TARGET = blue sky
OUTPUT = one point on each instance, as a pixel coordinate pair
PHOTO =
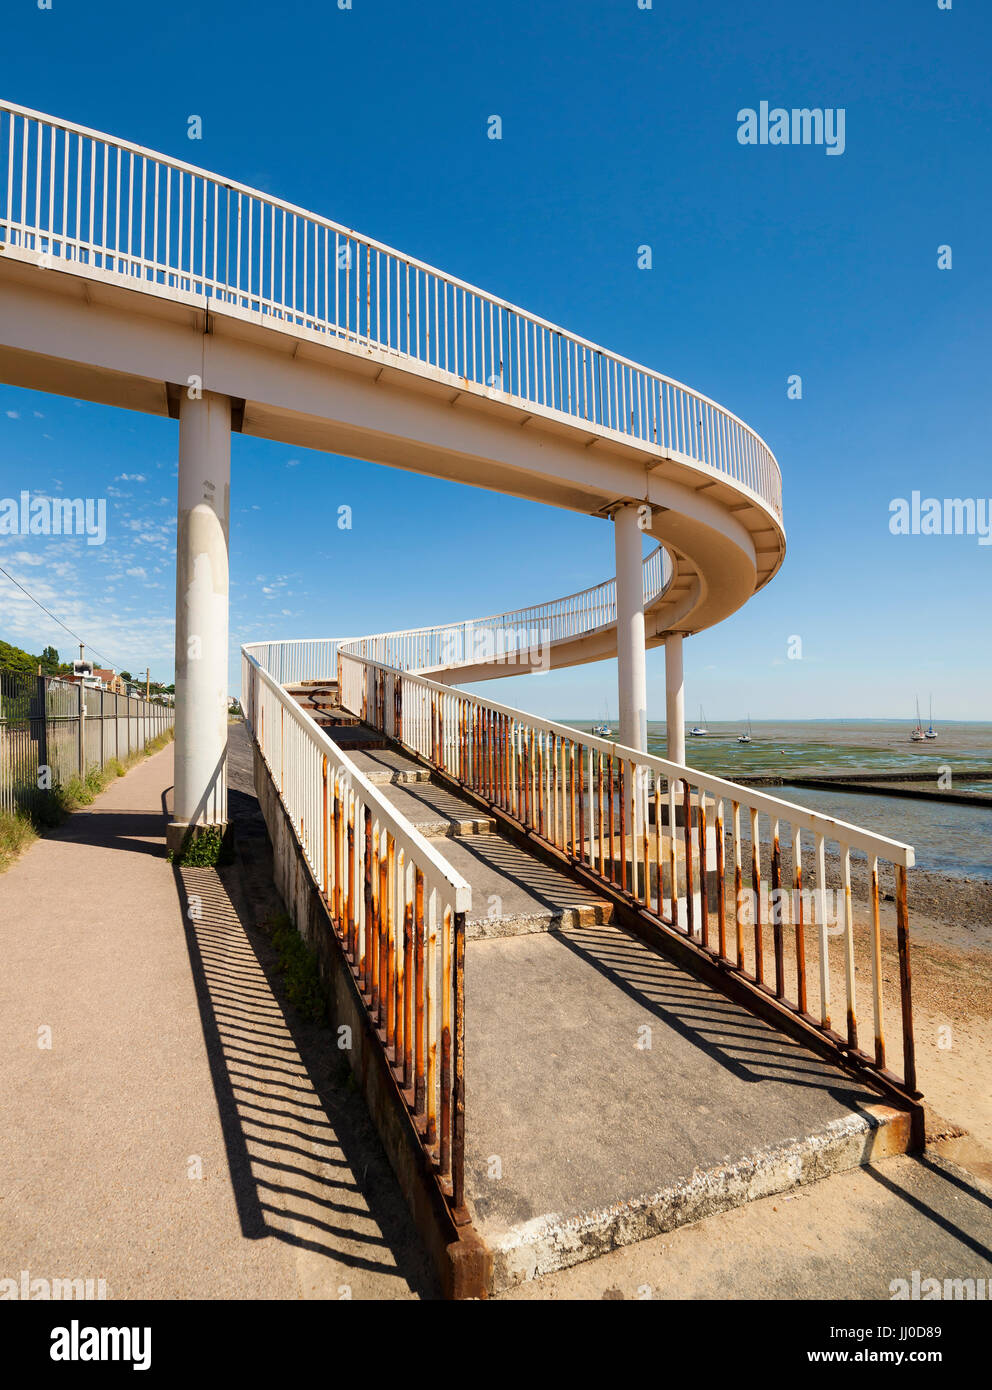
(619, 129)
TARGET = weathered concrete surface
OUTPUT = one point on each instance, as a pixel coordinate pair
(513, 893)
(436, 812)
(849, 1237)
(384, 765)
(172, 1052)
(583, 1138)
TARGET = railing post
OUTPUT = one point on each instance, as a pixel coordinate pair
(81, 731)
(458, 1067)
(42, 724)
(905, 980)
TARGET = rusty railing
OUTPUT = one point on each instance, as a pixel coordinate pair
(397, 911)
(762, 886)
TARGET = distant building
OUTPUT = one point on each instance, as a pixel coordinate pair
(109, 680)
(95, 678)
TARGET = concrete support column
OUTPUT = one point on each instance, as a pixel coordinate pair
(632, 676)
(674, 698)
(202, 614)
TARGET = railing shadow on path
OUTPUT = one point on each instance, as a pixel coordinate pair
(969, 1199)
(727, 1033)
(305, 1165)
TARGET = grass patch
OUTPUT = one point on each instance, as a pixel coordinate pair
(205, 849)
(298, 966)
(19, 830)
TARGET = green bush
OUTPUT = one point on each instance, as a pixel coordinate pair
(203, 850)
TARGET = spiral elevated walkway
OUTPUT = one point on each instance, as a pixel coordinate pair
(407, 817)
(125, 275)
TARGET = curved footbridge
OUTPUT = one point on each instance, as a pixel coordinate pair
(728, 929)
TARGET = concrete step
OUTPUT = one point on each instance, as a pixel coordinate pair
(514, 894)
(355, 736)
(624, 1098)
(314, 694)
(390, 767)
(436, 812)
(323, 699)
(321, 703)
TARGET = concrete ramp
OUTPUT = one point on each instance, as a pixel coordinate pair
(614, 1097)
(611, 1096)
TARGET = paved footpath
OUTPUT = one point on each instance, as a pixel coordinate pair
(186, 1135)
(167, 1123)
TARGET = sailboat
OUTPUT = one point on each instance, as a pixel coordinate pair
(700, 730)
(918, 736)
(746, 735)
(603, 730)
(930, 732)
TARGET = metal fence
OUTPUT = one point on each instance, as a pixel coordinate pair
(113, 210)
(760, 885)
(52, 730)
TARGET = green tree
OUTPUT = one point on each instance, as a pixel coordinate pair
(16, 660)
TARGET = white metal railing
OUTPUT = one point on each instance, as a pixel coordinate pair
(616, 813)
(112, 209)
(516, 638)
(304, 659)
(397, 906)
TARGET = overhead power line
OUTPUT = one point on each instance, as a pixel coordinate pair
(54, 618)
